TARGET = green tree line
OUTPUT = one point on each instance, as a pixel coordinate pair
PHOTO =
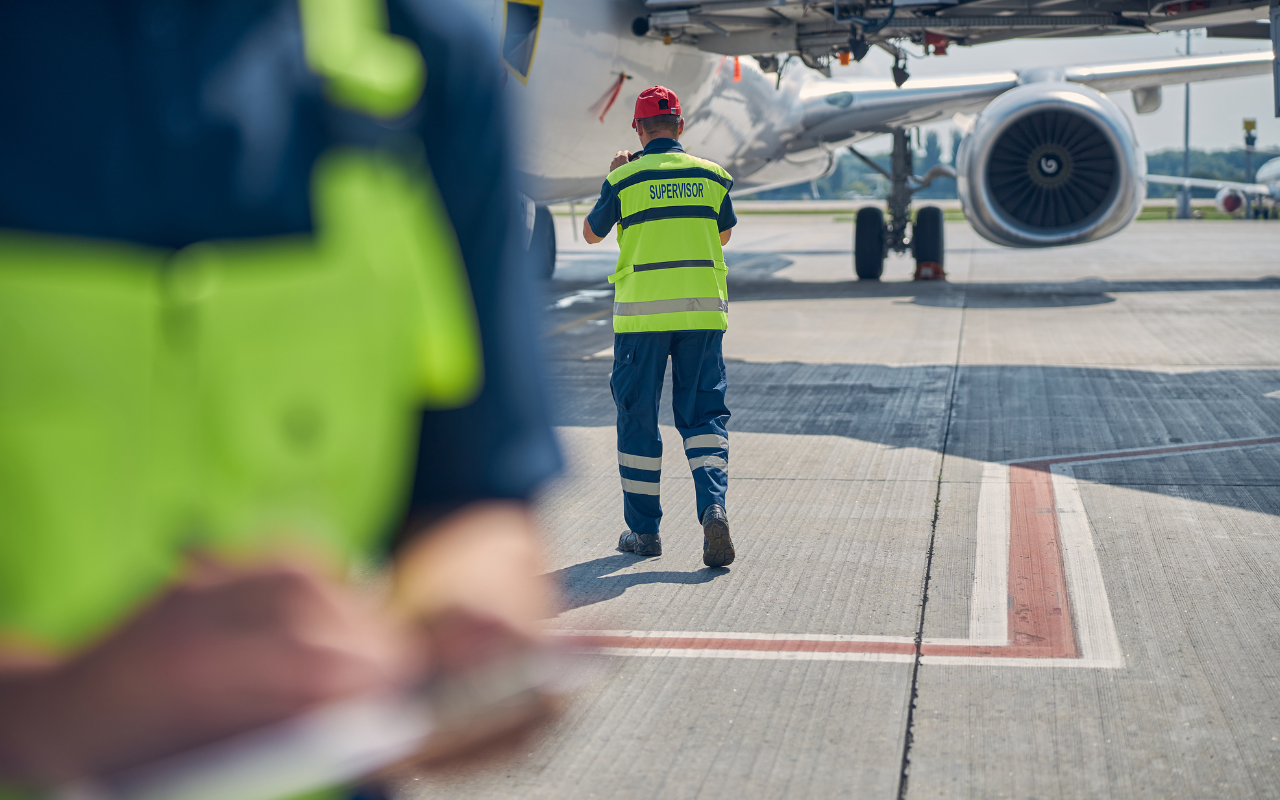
(853, 179)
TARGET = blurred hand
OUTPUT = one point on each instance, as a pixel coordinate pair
(224, 650)
(484, 564)
(623, 157)
(474, 585)
(230, 648)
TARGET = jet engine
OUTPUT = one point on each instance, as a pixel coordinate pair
(1228, 200)
(1050, 163)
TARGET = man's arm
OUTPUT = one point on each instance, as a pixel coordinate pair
(726, 219)
(607, 211)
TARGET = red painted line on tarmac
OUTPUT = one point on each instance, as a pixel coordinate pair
(1040, 623)
(1039, 612)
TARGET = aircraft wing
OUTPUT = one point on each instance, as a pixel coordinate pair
(836, 110)
(1166, 71)
(1209, 183)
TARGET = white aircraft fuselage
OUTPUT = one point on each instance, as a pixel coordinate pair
(583, 45)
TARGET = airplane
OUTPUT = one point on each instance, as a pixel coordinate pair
(1048, 159)
(816, 31)
(1234, 195)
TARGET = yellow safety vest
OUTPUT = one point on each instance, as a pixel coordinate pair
(671, 272)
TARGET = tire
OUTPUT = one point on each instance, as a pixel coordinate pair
(542, 245)
(868, 244)
(926, 237)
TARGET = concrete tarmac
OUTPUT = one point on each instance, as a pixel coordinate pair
(1012, 535)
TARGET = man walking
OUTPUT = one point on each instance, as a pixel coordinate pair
(670, 299)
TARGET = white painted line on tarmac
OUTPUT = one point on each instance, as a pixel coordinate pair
(1094, 625)
(989, 605)
(755, 637)
(755, 655)
(1024, 663)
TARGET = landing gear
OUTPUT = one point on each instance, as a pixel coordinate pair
(900, 191)
(869, 244)
(542, 244)
(927, 244)
(925, 240)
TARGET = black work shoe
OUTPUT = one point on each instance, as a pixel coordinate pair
(717, 547)
(642, 544)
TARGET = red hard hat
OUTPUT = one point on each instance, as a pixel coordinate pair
(656, 101)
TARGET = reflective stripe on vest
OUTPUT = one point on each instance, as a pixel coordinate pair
(671, 271)
(651, 307)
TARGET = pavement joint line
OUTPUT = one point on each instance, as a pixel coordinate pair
(908, 732)
(1060, 614)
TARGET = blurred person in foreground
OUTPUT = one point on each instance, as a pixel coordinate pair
(264, 327)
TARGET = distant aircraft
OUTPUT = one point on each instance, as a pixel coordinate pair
(1048, 159)
(1233, 195)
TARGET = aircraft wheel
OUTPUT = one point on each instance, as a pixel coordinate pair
(542, 245)
(927, 244)
(868, 244)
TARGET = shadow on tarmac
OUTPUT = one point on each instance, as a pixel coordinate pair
(751, 277)
(981, 295)
(997, 413)
(593, 581)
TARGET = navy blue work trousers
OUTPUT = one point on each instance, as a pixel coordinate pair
(697, 400)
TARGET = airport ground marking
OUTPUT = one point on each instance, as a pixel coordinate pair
(1038, 595)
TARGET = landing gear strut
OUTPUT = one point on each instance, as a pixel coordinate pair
(873, 239)
(542, 242)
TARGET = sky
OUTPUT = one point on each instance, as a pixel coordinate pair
(1217, 107)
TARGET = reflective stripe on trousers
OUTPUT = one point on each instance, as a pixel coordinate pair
(645, 472)
(706, 440)
(641, 487)
(709, 450)
(713, 462)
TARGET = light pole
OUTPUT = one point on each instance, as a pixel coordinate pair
(1184, 192)
(1250, 139)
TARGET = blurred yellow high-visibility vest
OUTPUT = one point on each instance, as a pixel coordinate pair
(232, 392)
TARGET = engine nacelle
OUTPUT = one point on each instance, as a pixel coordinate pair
(1049, 164)
(1228, 200)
